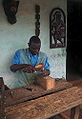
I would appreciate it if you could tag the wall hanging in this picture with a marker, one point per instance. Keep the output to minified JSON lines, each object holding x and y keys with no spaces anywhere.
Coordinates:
{"x":10,"y":8}
{"x":37,"y":17}
{"x":57,"y":28}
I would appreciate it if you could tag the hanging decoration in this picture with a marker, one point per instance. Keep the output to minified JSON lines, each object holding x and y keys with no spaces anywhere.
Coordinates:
{"x":11,"y":8}
{"x":57,"y":28}
{"x":37,"y":17}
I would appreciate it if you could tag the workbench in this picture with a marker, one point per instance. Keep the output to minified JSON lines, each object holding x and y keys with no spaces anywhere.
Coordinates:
{"x":33,"y":102}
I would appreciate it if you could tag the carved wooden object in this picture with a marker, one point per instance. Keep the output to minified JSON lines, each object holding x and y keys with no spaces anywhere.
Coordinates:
{"x":37,"y":17}
{"x":57,"y":28}
{"x":47,"y":82}
{"x":39,"y":67}
{"x":10,"y":9}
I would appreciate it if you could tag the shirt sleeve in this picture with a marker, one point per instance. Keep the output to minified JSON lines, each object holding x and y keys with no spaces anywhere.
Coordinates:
{"x":16,"y":58}
{"x":47,"y":65}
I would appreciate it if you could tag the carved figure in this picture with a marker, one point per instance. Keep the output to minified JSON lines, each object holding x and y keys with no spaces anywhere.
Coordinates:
{"x":58,"y":28}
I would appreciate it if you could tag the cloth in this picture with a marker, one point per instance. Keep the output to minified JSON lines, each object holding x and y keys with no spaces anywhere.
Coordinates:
{"x":23,"y":56}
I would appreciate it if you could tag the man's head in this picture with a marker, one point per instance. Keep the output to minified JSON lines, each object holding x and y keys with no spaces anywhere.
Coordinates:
{"x":34,"y":45}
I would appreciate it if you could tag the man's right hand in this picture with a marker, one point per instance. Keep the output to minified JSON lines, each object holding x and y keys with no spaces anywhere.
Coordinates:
{"x":23,"y":67}
{"x":29,"y":69}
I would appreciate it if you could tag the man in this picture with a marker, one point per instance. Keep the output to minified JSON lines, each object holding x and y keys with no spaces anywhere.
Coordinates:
{"x":25,"y":60}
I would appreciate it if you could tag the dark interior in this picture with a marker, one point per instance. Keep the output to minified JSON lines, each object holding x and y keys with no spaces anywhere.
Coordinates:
{"x":74,"y":37}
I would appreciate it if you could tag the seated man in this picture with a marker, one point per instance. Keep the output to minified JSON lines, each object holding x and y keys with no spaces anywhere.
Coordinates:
{"x":25,"y":60}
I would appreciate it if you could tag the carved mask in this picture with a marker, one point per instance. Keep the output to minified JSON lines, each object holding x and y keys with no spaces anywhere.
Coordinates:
{"x":10,"y":8}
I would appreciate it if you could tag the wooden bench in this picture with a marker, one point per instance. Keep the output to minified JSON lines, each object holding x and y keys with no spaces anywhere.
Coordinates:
{"x":48,"y":106}
{"x":33,"y":102}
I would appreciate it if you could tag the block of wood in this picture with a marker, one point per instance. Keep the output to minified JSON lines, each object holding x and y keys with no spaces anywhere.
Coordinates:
{"x":46,"y":82}
{"x":39,"y":66}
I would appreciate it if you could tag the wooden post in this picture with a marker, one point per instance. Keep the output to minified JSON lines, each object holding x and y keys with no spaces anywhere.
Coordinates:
{"x":75,"y":113}
{"x":2,"y":92}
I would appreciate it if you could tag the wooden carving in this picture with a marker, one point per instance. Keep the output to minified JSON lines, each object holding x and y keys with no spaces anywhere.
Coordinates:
{"x":37,"y":23}
{"x":10,"y":8}
{"x":57,"y":28}
{"x":47,"y":82}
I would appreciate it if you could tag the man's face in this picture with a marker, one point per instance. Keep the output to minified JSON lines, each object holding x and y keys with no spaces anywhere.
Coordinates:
{"x":35,"y":48}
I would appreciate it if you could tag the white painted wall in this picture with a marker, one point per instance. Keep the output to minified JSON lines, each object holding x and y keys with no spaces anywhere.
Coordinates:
{"x":13,"y":37}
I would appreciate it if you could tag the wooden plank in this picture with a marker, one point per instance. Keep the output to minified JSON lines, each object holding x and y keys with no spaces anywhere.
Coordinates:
{"x":18,"y":95}
{"x":46,"y":106}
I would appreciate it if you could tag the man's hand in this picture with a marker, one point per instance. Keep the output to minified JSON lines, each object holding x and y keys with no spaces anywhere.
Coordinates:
{"x":45,"y":72}
{"x":29,"y":69}
{"x":39,"y":67}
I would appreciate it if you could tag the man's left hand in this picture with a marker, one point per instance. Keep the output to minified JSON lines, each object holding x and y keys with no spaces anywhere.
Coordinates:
{"x":45,"y":72}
